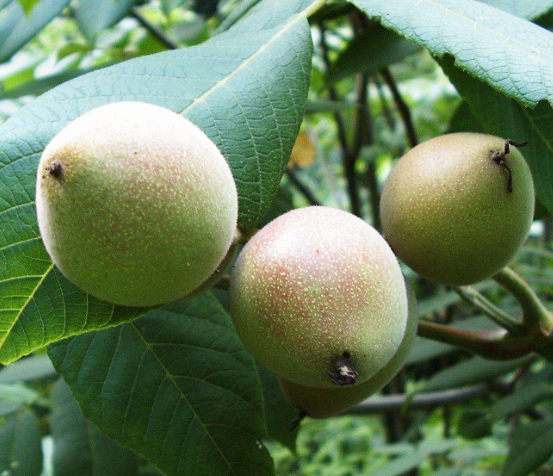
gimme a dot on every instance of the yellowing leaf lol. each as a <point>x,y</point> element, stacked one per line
<point>304,152</point>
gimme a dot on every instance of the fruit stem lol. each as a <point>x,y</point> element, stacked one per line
<point>535,316</point>
<point>474,298</point>
<point>492,344</point>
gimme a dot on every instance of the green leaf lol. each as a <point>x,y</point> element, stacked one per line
<point>476,452</point>
<point>35,87</point>
<point>28,5</point>
<point>470,372</point>
<point>463,120</point>
<point>18,393</point>
<point>245,88</point>
<point>9,406</point>
<point>31,368</point>
<point>152,472</point>
<point>532,445</point>
<point>400,465</point>
<point>477,423</point>
<point>93,16</point>
<point>15,397</point>
<point>412,459</point>
<point>504,117</point>
<point>31,289</point>
<point>530,10</point>
<point>20,450</point>
<point>167,6</point>
<point>176,386</point>
<point>80,449</point>
<point>448,472</point>
<point>16,28</point>
<point>509,53</point>
<point>373,49</point>
<point>474,424</point>
<point>279,414</point>
<point>19,77</point>
<point>523,398</point>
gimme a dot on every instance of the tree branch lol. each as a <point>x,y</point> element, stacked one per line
<point>492,345</point>
<point>397,403</point>
<point>362,128</point>
<point>154,30</point>
<point>347,158</point>
<point>474,298</point>
<point>402,106</point>
<point>385,107</point>
<point>534,314</point>
<point>301,187</point>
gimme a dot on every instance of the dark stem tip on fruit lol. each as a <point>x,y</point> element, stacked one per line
<point>55,169</point>
<point>344,374</point>
<point>499,158</point>
<point>517,144</point>
<point>301,415</point>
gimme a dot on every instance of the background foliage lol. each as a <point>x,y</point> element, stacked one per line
<point>364,81</point>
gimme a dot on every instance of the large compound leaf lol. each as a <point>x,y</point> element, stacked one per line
<point>17,28</point>
<point>504,117</point>
<point>530,10</point>
<point>507,52</point>
<point>80,449</point>
<point>20,450</point>
<point>176,386</point>
<point>245,88</point>
<point>93,16</point>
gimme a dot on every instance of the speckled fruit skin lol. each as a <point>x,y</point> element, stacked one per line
<point>314,284</point>
<point>144,208</point>
<point>326,402</point>
<point>447,211</point>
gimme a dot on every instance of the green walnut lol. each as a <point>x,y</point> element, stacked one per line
<point>135,204</point>
<point>317,296</point>
<point>457,208</point>
<point>326,402</point>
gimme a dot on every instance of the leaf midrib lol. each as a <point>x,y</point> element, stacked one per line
<point>299,16</point>
<point>183,396</point>
<point>31,296</point>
